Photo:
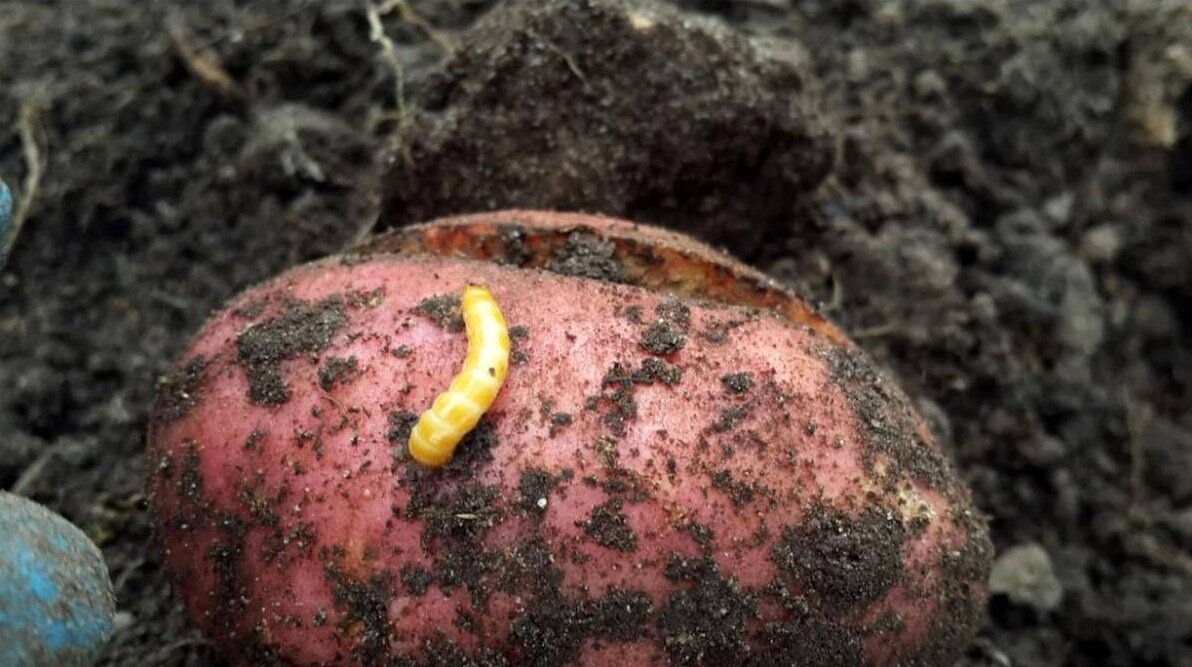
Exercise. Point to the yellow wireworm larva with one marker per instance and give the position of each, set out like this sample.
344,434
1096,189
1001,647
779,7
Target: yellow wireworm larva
456,411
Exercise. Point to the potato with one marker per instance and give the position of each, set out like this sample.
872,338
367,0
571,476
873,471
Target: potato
664,478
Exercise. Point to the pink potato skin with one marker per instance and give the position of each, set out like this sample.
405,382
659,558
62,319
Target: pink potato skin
776,504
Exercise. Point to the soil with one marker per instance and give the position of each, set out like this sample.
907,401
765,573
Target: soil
993,199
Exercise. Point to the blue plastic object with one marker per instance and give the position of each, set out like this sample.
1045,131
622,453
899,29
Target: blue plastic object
5,220
56,603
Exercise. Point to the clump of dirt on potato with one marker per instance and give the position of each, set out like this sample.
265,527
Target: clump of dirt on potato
644,113
845,560
588,256
302,328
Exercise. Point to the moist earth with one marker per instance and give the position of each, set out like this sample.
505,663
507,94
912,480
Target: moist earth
994,200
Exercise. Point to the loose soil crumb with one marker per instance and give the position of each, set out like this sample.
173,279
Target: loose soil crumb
518,335
609,527
588,256
666,334
443,310
337,371
737,383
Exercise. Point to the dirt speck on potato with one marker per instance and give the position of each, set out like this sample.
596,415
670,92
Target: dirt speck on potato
301,328
657,369
518,335
621,615
960,570
190,482
667,333
439,653
337,371
178,390
401,422
417,580
662,339
456,513
443,310
534,489
609,527
845,560
366,609
559,421
741,493
224,556
737,383
728,419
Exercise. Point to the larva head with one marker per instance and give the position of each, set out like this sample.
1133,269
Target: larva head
685,465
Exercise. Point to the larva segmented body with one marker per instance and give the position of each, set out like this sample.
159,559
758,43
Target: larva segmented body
456,411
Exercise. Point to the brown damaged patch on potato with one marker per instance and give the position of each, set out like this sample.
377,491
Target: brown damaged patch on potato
302,328
443,310
178,391
845,560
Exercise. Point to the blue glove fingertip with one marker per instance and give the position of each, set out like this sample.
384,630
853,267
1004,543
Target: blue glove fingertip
5,220
56,604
